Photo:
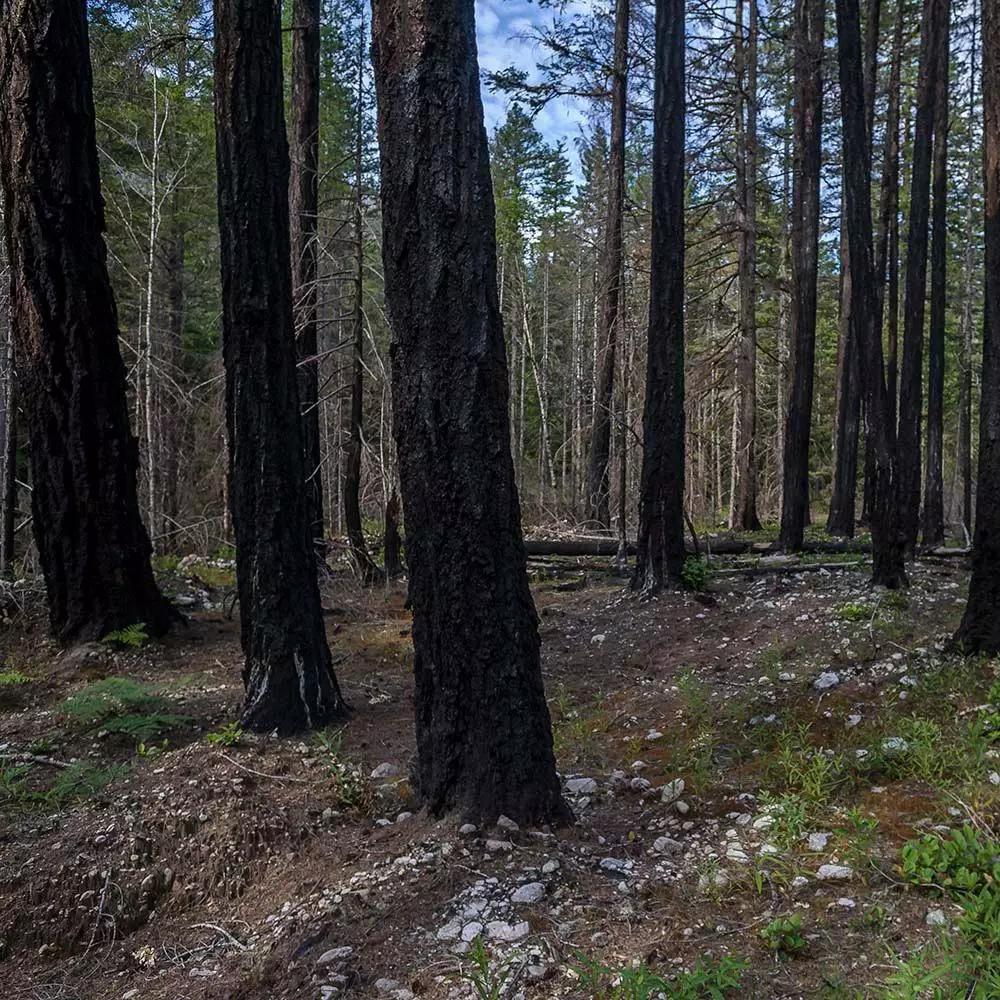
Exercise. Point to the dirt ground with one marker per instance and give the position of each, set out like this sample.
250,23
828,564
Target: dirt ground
252,867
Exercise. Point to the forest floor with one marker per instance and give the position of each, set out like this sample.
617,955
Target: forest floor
745,765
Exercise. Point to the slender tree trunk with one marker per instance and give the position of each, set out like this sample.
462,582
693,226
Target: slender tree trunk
363,564
93,547
933,512
888,567
598,510
304,208
980,628
744,501
8,415
288,672
484,739
660,548
810,18
911,372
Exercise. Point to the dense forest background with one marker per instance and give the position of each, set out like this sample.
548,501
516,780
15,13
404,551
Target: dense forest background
153,92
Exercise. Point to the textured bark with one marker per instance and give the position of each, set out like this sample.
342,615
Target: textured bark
932,534
363,564
661,501
91,541
911,369
392,543
288,674
980,628
8,415
743,515
304,205
484,738
608,309
810,18
888,568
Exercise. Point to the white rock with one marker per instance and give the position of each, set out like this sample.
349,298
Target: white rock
385,770
614,865
786,677
500,930
799,881
994,777
817,841
769,849
550,867
467,829
834,873
597,640
763,822
386,985
581,786
506,823
852,721
471,931
845,903
826,680
495,846
667,845
672,791
451,931
640,785
895,744
335,955
533,892
936,918
403,817
681,807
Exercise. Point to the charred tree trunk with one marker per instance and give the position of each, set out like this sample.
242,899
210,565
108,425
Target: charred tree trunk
980,628
392,544
484,738
810,18
598,506
288,673
660,550
91,541
888,567
933,513
8,415
911,371
363,564
304,207
743,516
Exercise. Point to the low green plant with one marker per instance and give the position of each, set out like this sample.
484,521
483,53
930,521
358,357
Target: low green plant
131,637
126,706
695,573
12,678
352,789
784,936
487,981
960,862
152,750
228,735
80,781
708,980
853,611
789,818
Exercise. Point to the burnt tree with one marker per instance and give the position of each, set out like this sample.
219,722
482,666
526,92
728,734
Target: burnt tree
287,673
304,207
660,549
888,568
484,738
93,547
598,499
810,19
980,628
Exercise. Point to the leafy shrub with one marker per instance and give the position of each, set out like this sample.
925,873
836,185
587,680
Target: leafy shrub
958,863
784,936
12,678
695,573
352,789
708,980
852,611
228,735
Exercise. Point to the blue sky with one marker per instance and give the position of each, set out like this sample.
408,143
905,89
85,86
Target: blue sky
499,25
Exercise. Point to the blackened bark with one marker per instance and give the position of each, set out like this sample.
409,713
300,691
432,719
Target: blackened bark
911,370
810,18
933,513
888,567
980,628
484,738
598,500
91,541
392,544
288,674
660,546
304,206
366,569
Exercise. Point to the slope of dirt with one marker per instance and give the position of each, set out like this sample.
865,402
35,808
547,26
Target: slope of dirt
687,729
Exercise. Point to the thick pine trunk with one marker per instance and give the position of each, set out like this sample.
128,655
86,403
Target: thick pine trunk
484,738
608,307
743,516
932,534
8,416
866,331
980,628
91,541
304,206
288,674
911,370
810,17
660,547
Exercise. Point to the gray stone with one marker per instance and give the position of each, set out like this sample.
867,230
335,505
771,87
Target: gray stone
616,867
386,985
672,791
533,892
500,930
817,841
385,770
335,955
451,931
667,845
495,846
826,680
936,918
550,867
467,829
681,807
471,931
581,786
506,823
834,873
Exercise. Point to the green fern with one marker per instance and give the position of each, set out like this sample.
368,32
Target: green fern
126,706
131,637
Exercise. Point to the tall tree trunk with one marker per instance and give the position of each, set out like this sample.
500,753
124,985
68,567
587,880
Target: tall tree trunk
911,371
288,672
598,509
660,548
810,18
91,541
304,208
8,415
933,513
363,564
980,628
484,738
889,569
744,501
